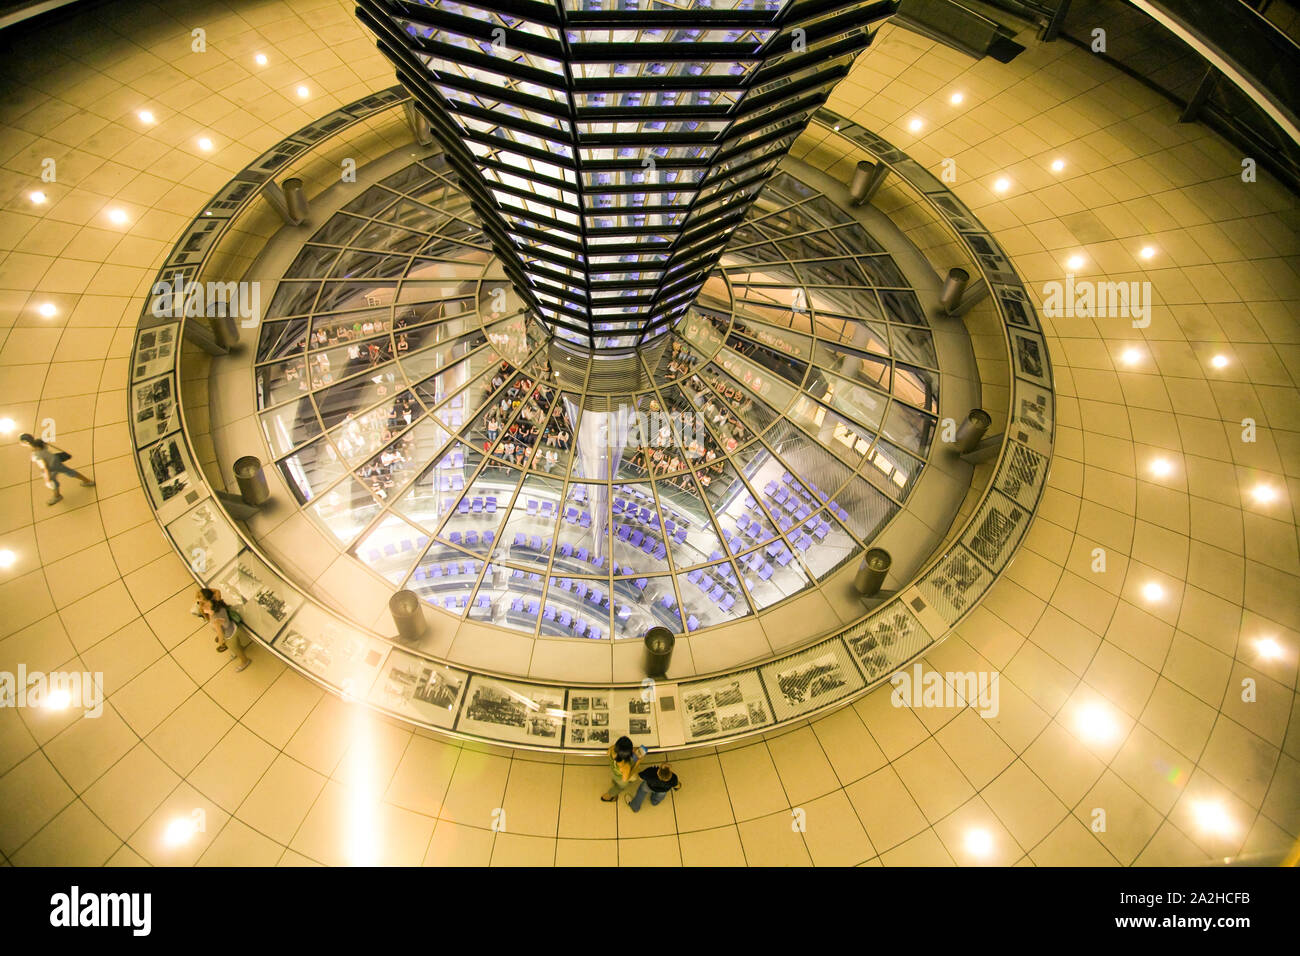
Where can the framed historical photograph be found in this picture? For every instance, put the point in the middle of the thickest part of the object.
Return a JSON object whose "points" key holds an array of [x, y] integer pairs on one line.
{"points": [[418, 688], [810, 679], [205, 538], [166, 466], [725, 705], [336, 653], [264, 600], [520, 713], [153, 409]]}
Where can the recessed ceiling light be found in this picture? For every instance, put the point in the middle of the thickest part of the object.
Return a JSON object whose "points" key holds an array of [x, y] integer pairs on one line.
{"points": [[205, 144], [36, 197], [1152, 591], [1211, 816], [7, 558], [1075, 263], [915, 125], [1148, 252], [1096, 723], [303, 92], [179, 831], [979, 842], [145, 116], [1219, 361], [1161, 467], [57, 700], [117, 216], [6, 426], [1001, 184], [260, 59], [1268, 648], [1058, 165], [956, 99], [1131, 356], [47, 309], [1263, 493]]}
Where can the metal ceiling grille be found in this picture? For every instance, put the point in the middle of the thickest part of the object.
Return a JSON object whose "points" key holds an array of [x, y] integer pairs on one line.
{"points": [[611, 147]]}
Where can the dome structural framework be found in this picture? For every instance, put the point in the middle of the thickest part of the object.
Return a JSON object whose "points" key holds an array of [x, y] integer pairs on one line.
{"points": [[476, 698], [453, 483], [610, 150]]}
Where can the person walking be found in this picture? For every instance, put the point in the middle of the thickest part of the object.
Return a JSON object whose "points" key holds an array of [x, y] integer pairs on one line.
{"points": [[624, 758], [217, 613], [53, 462], [658, 782]]}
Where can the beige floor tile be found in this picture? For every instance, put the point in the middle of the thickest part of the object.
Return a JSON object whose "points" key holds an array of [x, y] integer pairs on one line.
{"points": [[239, 845], [532, 799], [805, 771], [886, 809], [131, 790], [603, 853], [753, 785], [1071, 844], [649, 851], [515, 849], [477, 789], [456, 845], [924, 849], [719, 846], [281, 799], [933, 780], [73, 838]]}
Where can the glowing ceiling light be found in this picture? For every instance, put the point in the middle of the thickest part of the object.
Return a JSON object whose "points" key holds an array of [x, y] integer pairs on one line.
{"points": [[956, 99], [1152, 591], [1001, 184], [57, 700], [1212, 817], [1263, 493], [7, 558], [1058, 165], [180, 831], [37, 197], [1219, 361], [48, 310], [6, 426], [1268, 648], [1148, 252], [1096, 723], [1131, 356], [1161, 467], [1075, 263], [303, 92], [260, 59], [205, 144], [915, 125], [117, 216], [145, 116], [979, 842]]}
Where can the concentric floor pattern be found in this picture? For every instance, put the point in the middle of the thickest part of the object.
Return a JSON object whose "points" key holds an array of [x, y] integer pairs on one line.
{"points": [[1199, 568]]}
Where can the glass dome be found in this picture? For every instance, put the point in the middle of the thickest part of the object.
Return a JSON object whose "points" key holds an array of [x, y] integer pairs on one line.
{"points": [[442, 437]]}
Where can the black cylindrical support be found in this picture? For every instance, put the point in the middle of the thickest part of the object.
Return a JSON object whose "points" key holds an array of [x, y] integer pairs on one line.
{"points": [[225, 330], [871, 572], [954, 287], [407, 615], [253, 488], [296, 199], [659, 643], [971, 432], [867, 179]]}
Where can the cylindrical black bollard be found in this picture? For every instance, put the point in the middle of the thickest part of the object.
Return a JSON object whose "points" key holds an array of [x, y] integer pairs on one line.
{"points": [[296, 199], [953, 289], [971, 431], [871, 572], [225, 330], [659, 643], [407, 615], [867, 178], [252, 480]]}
